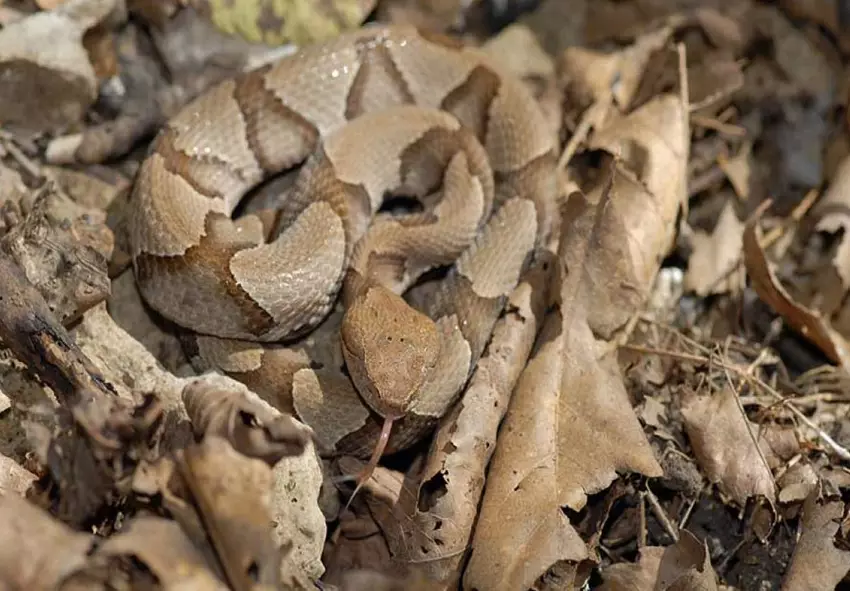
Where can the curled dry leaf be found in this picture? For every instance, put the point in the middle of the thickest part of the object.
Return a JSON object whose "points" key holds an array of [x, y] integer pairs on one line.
{"points": [[637, 227], [684, 566], [818, 562], [296, 479], [713, 266], [48, 80], [724, 443], [806, 322], [231, 493], [252, 427], [36, 551], [437, 520], [164, 550], [291, 21]]}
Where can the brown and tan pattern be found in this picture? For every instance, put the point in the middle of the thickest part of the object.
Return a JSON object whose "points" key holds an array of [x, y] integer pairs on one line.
{"points": [[382, 111]]}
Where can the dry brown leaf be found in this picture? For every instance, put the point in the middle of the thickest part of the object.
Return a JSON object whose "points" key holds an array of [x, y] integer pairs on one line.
{"points": [[805, 321], [231, 493], [48, 79], [797, 483], [817, 562], [596, 75], [684, 566], [638, 225], [568, 432], [724, 443], [165, 549], [713, 266], [14, 478], [522, 531], [298, 521], [833, 215], [36, 551], [252, 427], [291, 495], [738, 169]]}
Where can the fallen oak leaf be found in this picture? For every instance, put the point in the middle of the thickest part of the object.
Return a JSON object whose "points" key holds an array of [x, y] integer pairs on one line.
{"points": [[713, 266], [806, 322], [231, 493], [818, 562], [684, 566], [637, 227], [725, 446]]}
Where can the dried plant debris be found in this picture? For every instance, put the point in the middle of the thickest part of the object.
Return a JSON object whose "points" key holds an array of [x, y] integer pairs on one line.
{"points": [[37, 551], [727, 446], [49, 81], [252, 427], [821, 559], [63, 249], [715, 262], [663, 404], [808, 323], [684, 565]]}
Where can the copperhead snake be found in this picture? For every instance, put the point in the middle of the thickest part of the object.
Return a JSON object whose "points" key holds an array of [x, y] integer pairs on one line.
{"points": [[385, 110]]}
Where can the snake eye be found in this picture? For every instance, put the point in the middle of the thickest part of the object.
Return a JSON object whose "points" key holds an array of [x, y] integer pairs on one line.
{"points": [[389, 348]]}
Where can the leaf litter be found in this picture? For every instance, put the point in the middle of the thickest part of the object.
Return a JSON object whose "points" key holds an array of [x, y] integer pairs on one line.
{"points": [[663, 404]]}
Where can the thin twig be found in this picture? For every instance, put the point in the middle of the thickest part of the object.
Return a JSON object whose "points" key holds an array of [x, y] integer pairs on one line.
{"points": [[839, 450], [590, 118], [662, 516]]}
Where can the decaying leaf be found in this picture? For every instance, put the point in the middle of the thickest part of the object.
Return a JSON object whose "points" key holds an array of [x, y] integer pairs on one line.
{"points": [[569, 430], [684, 566], [162, 547], [299, 526], [595, 75], [48, 80], [725, 444], [818, 562], [276, 22], [63, 249], [797, 483], [252, 427], [36, 551], [738, 169], [231, 493], [713, 266], [805, 321], [637, 226]]}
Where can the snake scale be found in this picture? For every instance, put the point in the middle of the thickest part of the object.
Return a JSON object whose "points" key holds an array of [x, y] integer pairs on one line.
{"points": [[380, 112]]}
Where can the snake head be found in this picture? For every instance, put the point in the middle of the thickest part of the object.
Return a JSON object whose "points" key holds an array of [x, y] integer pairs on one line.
{"points": [[390, 349]]}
